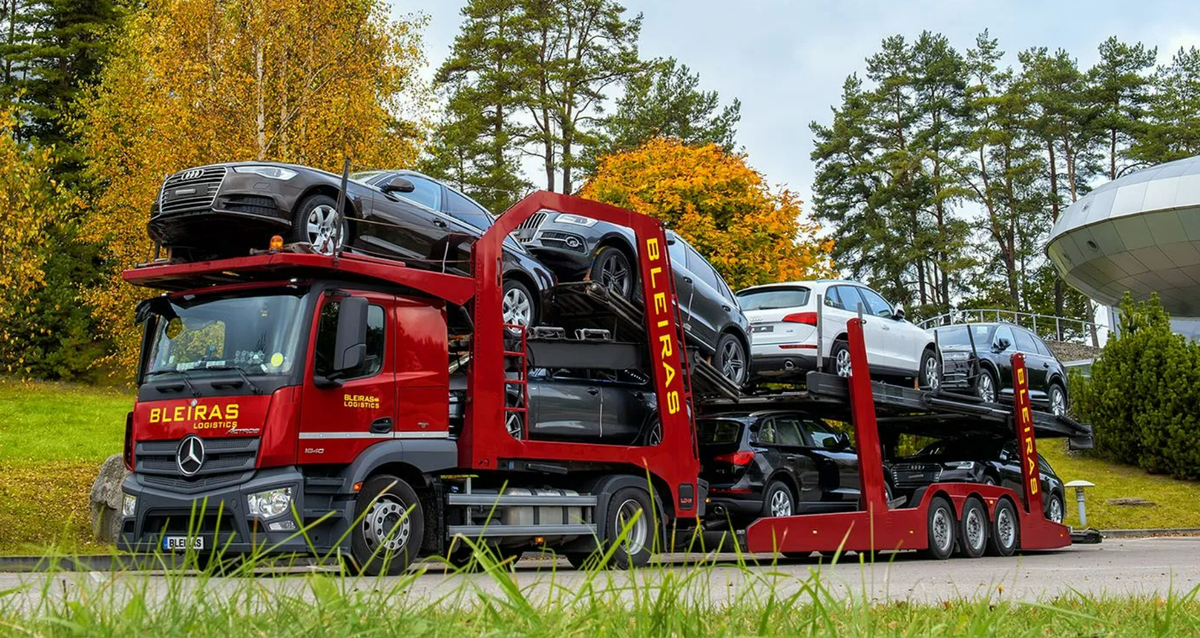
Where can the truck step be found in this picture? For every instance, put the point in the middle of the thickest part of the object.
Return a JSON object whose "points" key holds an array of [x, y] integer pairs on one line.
{"points": [[488, 500], [477, 531]]}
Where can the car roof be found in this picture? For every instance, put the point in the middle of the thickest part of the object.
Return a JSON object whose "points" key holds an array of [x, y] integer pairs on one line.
{"points": [[806, 283], [751, 415]]}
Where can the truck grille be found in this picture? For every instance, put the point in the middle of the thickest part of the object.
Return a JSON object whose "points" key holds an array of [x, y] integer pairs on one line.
{"points": [[190, 191], [224, 460]]}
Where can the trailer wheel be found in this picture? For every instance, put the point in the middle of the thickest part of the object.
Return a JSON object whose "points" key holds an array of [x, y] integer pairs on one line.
{"points": [[389, 526], [940, 524], [973, 529], [1005, 530], [318, 222]]}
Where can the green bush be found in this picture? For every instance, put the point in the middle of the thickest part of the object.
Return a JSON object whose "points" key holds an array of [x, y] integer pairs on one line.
{"points": [[1143, 398]]}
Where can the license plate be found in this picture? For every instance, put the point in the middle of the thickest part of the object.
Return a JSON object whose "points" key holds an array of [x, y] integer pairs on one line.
{"points": [[181, 543], [757, 329]]}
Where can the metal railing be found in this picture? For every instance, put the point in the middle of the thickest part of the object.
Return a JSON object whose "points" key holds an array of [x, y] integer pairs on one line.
{"points": [[1050, 327]]}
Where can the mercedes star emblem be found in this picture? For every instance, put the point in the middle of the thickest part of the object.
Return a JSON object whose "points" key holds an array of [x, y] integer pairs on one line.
{"points": [[190, 455]]}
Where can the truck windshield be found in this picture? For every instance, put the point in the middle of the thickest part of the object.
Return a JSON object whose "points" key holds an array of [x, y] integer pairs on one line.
{"points": [[258, 334]]}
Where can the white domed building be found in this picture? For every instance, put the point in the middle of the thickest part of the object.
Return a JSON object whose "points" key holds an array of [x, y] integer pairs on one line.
{"points": [[1139, 233]]}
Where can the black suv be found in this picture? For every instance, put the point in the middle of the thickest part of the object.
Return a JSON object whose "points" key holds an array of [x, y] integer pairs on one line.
{"points": [[775, 463], [977, 460], [578, 248], [992, 345]]}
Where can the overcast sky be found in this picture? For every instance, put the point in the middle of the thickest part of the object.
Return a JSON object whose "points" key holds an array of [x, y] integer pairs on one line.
{"points": [[786, 61]]}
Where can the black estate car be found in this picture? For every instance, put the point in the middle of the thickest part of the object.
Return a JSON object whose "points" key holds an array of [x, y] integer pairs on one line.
{"points": [[775, 463], [578, 248], [225, 210], [992, 346], [976, 460]]}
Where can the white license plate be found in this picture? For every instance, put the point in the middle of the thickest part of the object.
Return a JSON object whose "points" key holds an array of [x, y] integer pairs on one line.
{"points": [[757, 329], [181, 543]]}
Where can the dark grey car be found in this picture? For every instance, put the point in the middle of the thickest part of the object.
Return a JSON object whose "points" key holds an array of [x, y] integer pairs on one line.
{"points": [[578, 248]]}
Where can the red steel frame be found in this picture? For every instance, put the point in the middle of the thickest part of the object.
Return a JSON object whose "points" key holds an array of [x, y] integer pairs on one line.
{"points": [[880, 528], [486, 445]]}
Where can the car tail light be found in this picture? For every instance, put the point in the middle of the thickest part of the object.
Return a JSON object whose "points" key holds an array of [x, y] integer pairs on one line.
{"points": [[808, 318], [736, 458]]}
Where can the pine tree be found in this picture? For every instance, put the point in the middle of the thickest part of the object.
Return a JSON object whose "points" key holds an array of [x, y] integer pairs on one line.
{"points": [[1173, 130], [1120, 92]]}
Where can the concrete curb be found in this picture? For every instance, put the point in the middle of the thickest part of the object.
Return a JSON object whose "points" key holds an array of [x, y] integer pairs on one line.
{"points": [[1149, 533]]}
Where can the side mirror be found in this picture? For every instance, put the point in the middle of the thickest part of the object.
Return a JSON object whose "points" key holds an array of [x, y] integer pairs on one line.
{"points": [[899, 314], [1001, 345], [840, 442], [399, 185], [350, 346]]}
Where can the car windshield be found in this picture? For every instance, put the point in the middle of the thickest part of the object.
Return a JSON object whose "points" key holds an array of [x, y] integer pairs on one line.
{"points": [[258, 334], [958, 336], [773, 298], [719, 431]]}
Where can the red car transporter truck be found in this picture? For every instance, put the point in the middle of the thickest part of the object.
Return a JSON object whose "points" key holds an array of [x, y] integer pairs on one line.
{"points": [[341, 440]]}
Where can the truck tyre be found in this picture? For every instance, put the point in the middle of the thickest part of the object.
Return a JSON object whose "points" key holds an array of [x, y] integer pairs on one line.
{"points": [[778, 500], [973, 529], [1005, 530], [518, 306], [631, 508], [318, 222], [731, 359], [940, 525], [611, 269], [389, 526]]}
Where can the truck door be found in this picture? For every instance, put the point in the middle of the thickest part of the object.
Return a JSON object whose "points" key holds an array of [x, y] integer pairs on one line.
{"points": [[340, 418]]}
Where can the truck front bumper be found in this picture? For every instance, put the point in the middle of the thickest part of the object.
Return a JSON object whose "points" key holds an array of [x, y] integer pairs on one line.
{"points": [[219, 517]]}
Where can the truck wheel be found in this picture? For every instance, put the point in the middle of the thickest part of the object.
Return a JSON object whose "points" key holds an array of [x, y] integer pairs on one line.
{"points": [[611, 269], [940, 524], [389, 526], [318, 222], [1005, 530], [731, 358], [973, 529], [518, 305], [631, 513], [777, 501]]}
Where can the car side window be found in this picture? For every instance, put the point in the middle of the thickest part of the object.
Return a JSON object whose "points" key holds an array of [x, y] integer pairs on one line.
{"points": [[1003, 333], [1025, 342], [848, 296], [832, 299], [876, 304], [678, 253], [327, 340], [820, 434], [467, 211], [1042, 349], [425, 192], [787, 432], [766, 433], [701, 269]]}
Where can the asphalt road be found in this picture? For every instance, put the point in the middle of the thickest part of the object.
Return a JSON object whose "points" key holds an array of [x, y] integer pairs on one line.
{"points": [[1117, 567]]}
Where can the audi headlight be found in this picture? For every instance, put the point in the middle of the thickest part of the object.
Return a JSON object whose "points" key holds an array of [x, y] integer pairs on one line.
{"points": [[270, 503], [961, 465], [129, 505], [586, 222], [270, 172], [956, 356]]}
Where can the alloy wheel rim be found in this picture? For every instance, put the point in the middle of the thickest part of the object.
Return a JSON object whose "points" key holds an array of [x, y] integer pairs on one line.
{"points": [[941, 529], [324, 229], [932, 380], [975, 529], [513, 425], [517, 308], [1005, 529], [1056, 510], [733, 366], [614, 275], [1057, 406], [635, 540], [655, 436], [843, 363], [387, 524], [986, 390], [781, 504]]}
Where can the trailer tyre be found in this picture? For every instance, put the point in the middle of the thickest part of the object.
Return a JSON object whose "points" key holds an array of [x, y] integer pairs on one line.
{"points": [[941, 526], [973, 529], [389, 526], [1005, 530]]}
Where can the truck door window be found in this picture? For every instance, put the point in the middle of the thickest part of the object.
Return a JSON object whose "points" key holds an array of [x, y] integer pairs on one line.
{"points": [[327, 336]]}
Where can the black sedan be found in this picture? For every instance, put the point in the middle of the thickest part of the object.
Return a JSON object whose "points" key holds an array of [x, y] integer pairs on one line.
{"points": [[225, 210], [978, 357], [992, 461], [579, 406], [775, 463], [578, 248]]}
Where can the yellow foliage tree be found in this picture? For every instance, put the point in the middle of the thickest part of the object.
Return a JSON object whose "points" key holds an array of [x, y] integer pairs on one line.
{"points": [[31, 204], [194, 82], [719, 205]]}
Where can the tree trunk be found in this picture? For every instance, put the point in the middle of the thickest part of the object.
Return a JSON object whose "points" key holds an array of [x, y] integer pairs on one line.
{"points": [[260, 121]]}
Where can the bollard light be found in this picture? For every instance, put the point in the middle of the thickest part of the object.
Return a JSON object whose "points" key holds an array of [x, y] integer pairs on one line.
{"points": [[1080, 486]]}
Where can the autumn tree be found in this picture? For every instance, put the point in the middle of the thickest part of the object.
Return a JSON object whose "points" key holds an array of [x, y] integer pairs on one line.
{"points": [[193, 82], [719, 205]]}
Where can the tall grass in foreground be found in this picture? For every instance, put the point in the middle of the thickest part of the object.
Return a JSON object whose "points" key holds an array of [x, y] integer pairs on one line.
{"points": [[485, 598]]}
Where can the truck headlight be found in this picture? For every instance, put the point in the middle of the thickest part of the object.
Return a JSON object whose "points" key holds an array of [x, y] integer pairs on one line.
{"points": [[961, 465], [129, 505], [270, 503], [955, 356], [269, 172], [586, 222]]}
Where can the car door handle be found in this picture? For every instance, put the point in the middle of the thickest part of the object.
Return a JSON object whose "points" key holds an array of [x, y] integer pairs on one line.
{"points": [[1046, 365], [381, 426], [687, 280], [593, 391], [726, 308], [439, 223]]}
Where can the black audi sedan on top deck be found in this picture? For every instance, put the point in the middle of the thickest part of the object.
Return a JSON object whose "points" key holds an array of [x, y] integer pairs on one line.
{"points": [[225, 210], [775, 463], [992, 345], [578, 248]]}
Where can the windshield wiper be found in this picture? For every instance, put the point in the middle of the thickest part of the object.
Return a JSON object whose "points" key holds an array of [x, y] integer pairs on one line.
{"points": [[183, 376], [242, 373]]}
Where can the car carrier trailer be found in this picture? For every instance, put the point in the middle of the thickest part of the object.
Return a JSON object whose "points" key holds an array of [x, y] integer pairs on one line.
{"points": [[368, 468]]}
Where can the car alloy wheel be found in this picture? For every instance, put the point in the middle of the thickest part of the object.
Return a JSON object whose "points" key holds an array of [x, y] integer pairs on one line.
{"points": [[842, 363], [1058, 401], [387, 524], [733, 361], [781, 503], [518, 308], [933, 378], [1056, 509], [985, 388], [615, 274], [325, 229]]}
